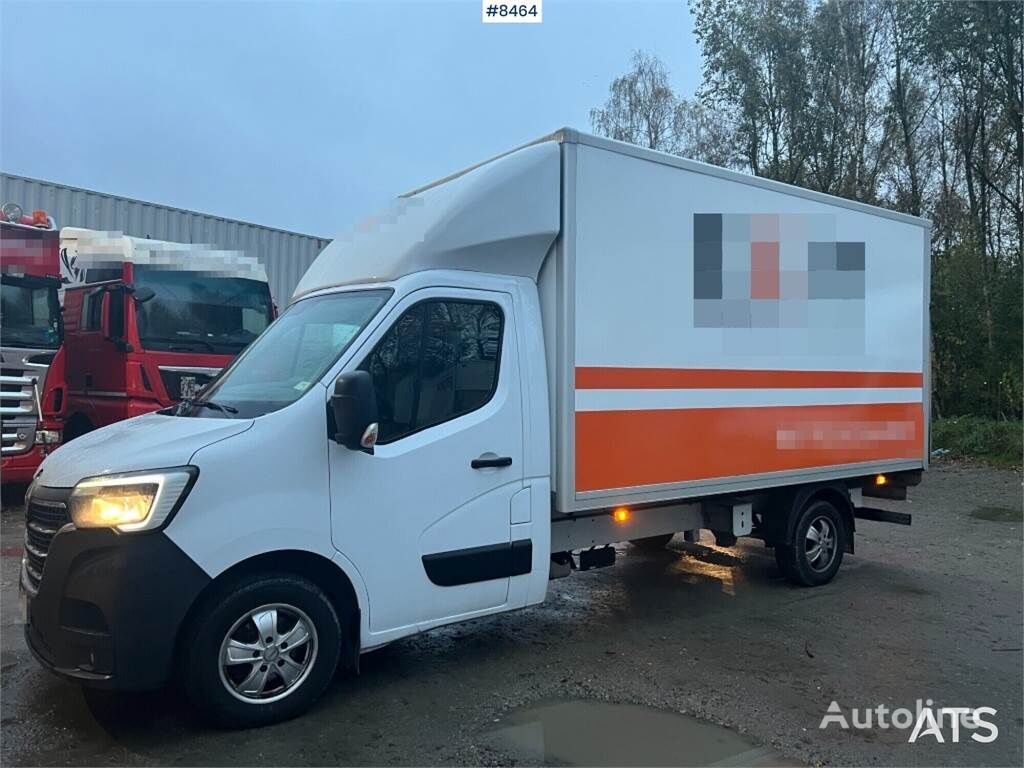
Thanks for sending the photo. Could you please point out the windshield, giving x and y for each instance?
(295, 352)
(201, 312)
(29, 313)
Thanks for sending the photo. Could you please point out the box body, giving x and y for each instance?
(710, 332)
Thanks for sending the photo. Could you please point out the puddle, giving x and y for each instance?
(596, 733)
(711, 555)
(998, 514)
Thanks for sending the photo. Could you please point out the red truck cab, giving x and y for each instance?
(149, 323)
(30, 341)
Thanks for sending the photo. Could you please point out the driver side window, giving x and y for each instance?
(438, 361)
(92, 309)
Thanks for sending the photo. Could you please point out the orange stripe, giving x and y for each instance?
(725, 378)
(619, 449)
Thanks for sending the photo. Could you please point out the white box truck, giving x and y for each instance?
(576, 343)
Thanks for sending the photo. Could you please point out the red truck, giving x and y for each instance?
(31, 332)
(149, 323)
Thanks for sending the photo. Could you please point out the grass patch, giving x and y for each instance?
(975, 437)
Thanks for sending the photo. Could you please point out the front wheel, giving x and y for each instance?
(816, 548)
(261, 651)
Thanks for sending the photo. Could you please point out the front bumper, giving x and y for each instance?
(19, 468)
(109, 606)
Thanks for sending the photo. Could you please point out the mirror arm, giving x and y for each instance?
(365, 445)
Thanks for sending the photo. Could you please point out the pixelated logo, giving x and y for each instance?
(189, 387)
(771, 270)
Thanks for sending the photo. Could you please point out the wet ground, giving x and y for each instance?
(695, 656)
(623, 734)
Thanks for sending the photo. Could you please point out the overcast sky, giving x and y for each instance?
(307, 115)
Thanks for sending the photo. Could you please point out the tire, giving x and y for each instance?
(77, 426)
(280, 683)
(802, 561)
(652, 543)
(723, 539)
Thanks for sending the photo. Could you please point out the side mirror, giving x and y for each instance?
(354, 405)
(143, 294)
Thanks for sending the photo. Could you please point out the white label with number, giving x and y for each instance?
(512, 13)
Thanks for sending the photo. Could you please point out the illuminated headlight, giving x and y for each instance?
(136, 501)
(47, 436)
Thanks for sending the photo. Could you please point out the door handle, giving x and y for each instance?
(491, 461)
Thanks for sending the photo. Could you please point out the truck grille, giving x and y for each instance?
(18, 392)
(21, 372)
(17, 412)
(186, 382)
(17, 436)
(43, 518)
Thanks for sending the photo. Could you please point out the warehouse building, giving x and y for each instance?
(285, 255)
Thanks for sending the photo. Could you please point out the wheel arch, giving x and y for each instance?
(76, 425)
(782, 509)
(322, 571)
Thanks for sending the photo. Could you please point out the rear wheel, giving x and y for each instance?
(261, 651)
(653, 542)
(815, 551)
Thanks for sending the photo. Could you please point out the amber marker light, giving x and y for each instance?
(881, 480)
(621, 515)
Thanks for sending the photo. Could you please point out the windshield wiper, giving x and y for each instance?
(185, 404)
(183, 344)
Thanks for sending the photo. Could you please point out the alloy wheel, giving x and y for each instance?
(268, 653)
(820, 543)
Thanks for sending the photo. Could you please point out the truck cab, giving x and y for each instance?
(150, 323)
(32, 330)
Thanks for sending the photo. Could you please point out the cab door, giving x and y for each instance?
(426, 518)
(97, 355)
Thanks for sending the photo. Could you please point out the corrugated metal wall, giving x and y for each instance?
(285, 255)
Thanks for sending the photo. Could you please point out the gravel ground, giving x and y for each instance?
(931, 611)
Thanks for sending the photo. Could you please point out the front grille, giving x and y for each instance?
(16, 435)
(43, 518)
(17, 393)
(185, 382)
(22, 379)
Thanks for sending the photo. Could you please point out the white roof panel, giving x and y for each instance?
(498, 217)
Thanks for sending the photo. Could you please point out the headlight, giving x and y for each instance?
(47, 436)
(135, 501)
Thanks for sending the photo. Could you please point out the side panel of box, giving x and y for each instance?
(729, 336)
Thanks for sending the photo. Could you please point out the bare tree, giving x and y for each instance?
(643, 109)
(641, 106)
(704, 133)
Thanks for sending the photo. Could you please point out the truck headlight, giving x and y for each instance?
(47, 436)
(135, 501)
